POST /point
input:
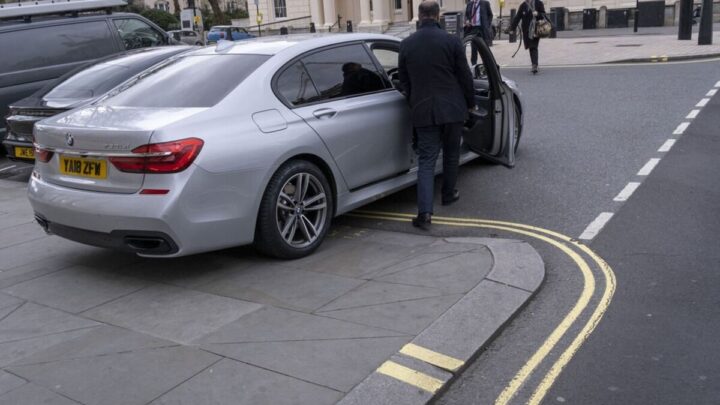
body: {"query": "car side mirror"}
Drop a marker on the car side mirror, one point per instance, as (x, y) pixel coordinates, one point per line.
(479, 71)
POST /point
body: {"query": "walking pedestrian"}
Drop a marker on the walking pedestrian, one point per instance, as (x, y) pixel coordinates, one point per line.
(528, 11)
(478, 22)
(436, 78)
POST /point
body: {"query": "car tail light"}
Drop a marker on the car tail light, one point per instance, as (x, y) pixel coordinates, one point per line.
(222, 35)
(166, 157)
(42, 155)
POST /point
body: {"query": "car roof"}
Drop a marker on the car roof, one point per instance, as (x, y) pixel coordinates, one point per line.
(300, 42)
(43, 20)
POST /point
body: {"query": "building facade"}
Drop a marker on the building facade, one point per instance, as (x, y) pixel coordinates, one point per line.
(377, 15)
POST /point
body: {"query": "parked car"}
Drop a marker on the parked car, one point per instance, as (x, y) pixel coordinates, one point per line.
(44, 47)
(75, 89)
(227, 32)
(188, 37)
(173, 164)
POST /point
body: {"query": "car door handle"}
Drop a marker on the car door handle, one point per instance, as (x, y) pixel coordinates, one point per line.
(324, 113)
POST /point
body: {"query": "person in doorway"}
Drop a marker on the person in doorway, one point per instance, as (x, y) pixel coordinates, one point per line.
(435, 75)
(528, 11)
(478, 22)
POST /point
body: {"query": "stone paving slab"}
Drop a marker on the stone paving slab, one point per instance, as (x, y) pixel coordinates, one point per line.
(80, 324)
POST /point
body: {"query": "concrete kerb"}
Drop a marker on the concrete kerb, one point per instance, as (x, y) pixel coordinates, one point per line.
(663, 59)
(426, 366)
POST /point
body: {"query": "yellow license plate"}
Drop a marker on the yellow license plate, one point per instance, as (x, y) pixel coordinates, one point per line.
(24, 153)
(82, 167)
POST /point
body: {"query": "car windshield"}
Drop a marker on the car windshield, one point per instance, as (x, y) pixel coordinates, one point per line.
(186, 82)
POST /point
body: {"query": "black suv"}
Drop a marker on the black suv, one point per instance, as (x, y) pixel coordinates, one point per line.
(39, 49)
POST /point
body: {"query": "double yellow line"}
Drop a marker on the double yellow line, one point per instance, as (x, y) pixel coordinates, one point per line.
(575, 251)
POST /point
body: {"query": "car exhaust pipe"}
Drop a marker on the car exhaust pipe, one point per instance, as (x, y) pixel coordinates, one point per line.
(147, 244)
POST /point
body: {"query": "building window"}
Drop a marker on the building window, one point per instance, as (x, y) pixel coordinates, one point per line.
(398, 4)
(280, 9)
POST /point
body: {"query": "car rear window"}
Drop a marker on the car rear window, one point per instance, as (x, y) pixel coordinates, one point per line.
(190, 81)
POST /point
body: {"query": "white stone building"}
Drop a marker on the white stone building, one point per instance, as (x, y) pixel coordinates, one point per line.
(376, 15)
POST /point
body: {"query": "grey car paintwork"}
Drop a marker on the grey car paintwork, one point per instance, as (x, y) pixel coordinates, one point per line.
(214, 203)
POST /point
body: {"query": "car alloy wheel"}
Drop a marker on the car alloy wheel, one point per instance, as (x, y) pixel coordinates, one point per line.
(301, 210)
(295, 211)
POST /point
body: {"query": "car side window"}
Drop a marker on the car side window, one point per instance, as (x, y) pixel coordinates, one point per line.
(344, 71)
(55, 45)
(388, 57)
(295, 86)
(137, 34)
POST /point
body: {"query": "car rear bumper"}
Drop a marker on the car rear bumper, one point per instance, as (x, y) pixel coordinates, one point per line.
(140, 242)
(186, 221)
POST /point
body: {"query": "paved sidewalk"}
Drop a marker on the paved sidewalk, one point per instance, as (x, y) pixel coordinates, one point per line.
(593, 50)
(84, 325)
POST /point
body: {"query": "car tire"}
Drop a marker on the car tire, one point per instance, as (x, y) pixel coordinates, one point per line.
(295, 211)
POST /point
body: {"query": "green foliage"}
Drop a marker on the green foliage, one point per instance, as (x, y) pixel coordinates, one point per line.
(163, 19)
(237, 14)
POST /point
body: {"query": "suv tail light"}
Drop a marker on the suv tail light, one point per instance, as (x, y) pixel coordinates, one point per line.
(42, 155)
(166, 157)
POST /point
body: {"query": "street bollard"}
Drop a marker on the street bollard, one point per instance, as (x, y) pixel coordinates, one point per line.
(513, 35)
(283, 31)
(685, 20)
(349, 26)
(705, 36)
(636, 13)
(312, 28)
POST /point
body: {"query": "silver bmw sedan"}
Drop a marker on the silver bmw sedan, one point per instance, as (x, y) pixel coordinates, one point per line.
(261, 141)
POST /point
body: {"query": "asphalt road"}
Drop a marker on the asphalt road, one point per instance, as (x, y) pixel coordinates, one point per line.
(588, 132)
(658, 343)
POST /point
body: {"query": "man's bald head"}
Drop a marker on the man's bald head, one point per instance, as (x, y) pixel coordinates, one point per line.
(429, 9)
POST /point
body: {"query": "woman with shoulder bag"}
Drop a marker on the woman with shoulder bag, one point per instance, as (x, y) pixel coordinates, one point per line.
(530, 12)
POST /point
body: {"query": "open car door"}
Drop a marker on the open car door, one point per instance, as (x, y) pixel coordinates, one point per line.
(489, 131)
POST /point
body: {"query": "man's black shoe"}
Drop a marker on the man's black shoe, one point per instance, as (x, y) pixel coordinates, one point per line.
(422, 221)
(455, 197)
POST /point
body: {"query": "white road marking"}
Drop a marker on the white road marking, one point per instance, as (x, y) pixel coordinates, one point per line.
(717, 84)
(681, 128)
(667, 145)
(702, 103)
(627, 191)
(693, 114)
(711, 93)
(649, 166)
(6, 168)
(596, 226)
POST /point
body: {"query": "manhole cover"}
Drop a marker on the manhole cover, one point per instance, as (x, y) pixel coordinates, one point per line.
(627, 45)
(587, 42)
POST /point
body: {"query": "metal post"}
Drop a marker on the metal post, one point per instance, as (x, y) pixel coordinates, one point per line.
(513, 36)
(257, 17)
(636, 20)
(500, 25)
(685, 20)
(349, 26)
(312, 28)
(705, 36)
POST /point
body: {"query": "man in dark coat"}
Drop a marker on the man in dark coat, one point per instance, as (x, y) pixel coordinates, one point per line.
(436, 78)
(478, 22)
(529, 10)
